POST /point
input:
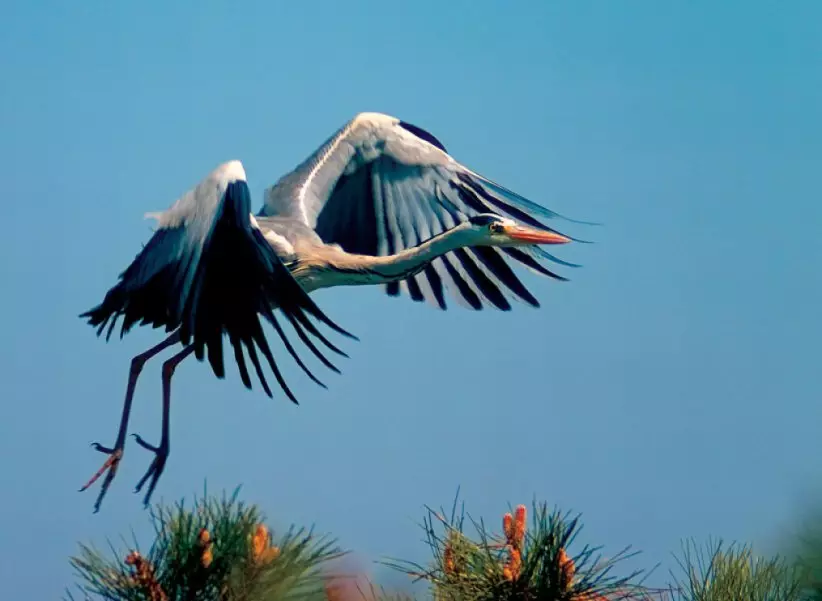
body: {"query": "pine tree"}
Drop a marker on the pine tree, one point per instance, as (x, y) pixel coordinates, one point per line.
(218, 550)
(222, 550)
(518, 563)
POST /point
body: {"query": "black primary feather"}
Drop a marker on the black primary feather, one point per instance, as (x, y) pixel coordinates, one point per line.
(216, 285)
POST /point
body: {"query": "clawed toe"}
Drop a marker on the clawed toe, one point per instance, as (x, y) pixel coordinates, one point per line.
(109, 468)
(154, 471)
(141, 441)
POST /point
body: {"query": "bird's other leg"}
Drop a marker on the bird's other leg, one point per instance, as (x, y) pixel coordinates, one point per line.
(161, 452)
(115, 453)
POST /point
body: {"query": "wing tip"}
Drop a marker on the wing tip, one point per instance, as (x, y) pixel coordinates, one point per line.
(541, 252)
(230, 171)
(577, 221)
(580, 240)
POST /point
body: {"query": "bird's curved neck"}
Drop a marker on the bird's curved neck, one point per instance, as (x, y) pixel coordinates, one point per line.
(412, 260)
(346, 269)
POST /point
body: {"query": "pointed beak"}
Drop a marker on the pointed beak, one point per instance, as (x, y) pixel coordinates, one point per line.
(534, 236)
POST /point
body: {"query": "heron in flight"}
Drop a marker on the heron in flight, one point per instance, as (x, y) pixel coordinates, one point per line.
(381, 202)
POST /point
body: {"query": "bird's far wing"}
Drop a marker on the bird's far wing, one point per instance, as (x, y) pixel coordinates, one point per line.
(208, 271)
(380, 185)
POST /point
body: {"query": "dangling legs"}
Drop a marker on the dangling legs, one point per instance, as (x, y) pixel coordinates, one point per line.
(116, 453)
(161, 452)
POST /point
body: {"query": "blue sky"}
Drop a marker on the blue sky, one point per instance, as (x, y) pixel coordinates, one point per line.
(671, 389)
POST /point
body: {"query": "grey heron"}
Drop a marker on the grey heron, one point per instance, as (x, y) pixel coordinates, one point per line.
(381, 202)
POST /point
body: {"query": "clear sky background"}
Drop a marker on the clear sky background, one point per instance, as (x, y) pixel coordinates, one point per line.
(671, 389)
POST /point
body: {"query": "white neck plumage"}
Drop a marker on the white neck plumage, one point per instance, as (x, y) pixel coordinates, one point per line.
(341, 268)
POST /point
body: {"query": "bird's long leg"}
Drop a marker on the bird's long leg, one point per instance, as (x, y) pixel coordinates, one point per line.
(161, 452)
(115, 453)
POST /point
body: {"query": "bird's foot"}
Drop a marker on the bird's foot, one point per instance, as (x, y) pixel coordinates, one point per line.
(109, 468)
(156, 468)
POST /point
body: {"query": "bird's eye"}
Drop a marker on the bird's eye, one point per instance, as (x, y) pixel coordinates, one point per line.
(495, 227)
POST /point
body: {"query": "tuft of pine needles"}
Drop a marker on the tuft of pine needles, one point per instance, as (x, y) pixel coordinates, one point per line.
(219, 550)
(520, 563)
(719, 572)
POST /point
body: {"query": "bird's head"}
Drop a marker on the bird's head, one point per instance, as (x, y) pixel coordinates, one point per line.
(494, 230)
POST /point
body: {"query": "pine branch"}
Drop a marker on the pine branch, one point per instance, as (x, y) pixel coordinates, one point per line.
(519, 563)
(219, 550)
(731, 573)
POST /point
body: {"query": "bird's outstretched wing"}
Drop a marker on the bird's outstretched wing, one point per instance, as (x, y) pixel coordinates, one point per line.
(380, 185)
(209, 271)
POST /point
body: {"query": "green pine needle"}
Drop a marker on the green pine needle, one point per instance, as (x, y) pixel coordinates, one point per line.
(177, 557)
(473, 569)
(732, 573)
